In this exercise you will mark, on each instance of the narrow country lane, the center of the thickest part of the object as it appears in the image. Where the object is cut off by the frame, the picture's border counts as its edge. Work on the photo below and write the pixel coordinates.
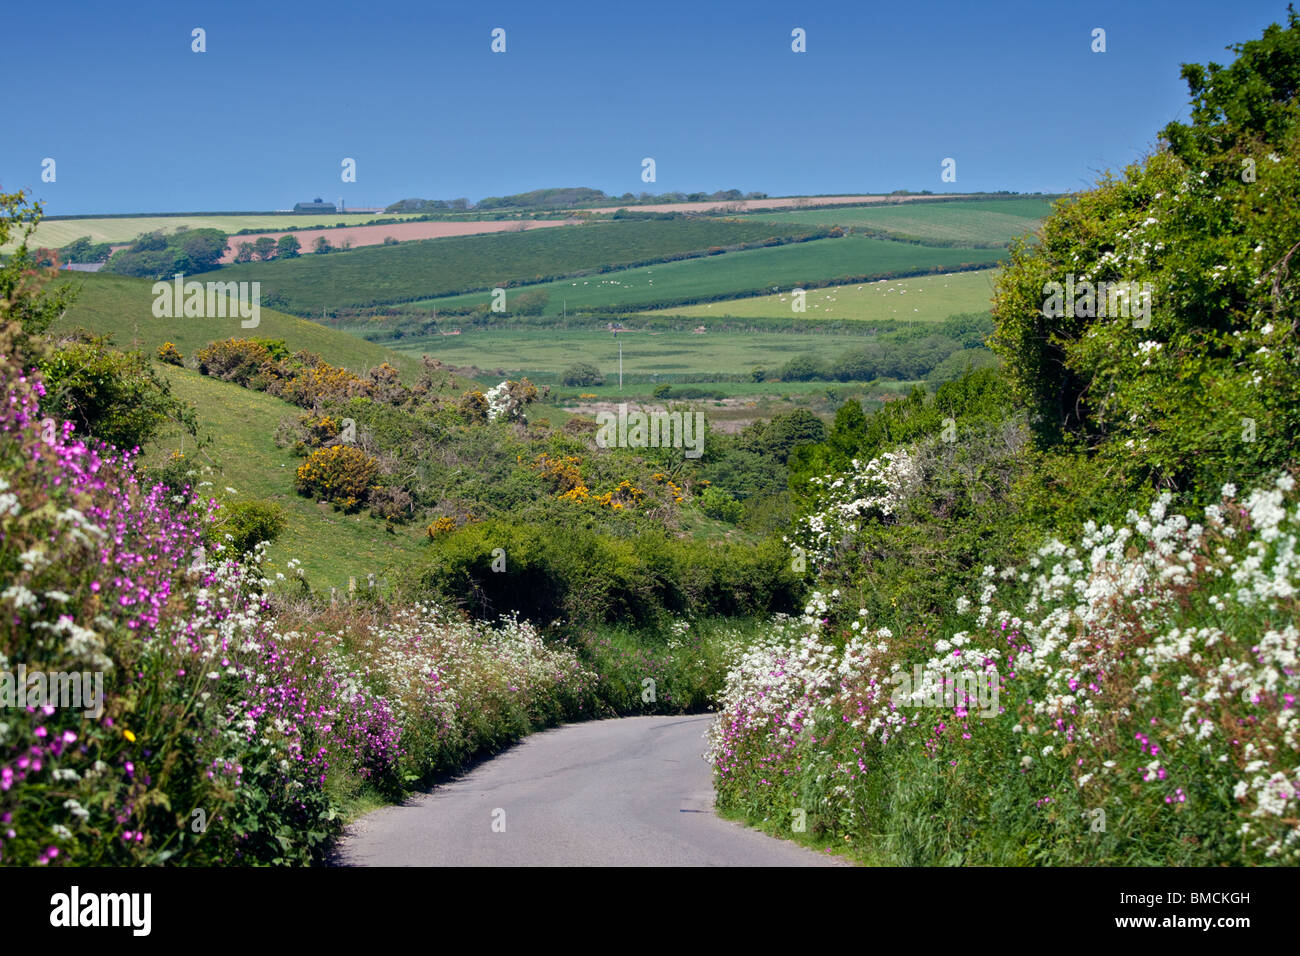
(629, 792)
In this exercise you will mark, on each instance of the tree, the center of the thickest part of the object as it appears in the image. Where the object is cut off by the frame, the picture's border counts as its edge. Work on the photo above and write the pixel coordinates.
(288, 247)
(582, 373)
(22, 298)
(321, 245)
(264, 247)
(197, 250)
(1191, 378)
(244, 252)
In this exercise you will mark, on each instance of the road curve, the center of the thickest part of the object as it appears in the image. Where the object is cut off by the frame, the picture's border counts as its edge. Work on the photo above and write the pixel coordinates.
(630, 792)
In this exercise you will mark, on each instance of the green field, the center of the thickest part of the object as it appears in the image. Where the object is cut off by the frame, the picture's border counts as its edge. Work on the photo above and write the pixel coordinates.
(332, 546)
(59, 232)
(919, 299)
(648, 356)
(379, 275)
(736, 273)
(975, 222)
(123, 307)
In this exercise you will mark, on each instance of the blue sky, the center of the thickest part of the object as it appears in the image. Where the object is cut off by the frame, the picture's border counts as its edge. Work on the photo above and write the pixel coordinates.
(137, 122)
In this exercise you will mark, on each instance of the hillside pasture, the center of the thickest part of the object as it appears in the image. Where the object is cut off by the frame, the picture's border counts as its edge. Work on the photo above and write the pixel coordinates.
(123, 307)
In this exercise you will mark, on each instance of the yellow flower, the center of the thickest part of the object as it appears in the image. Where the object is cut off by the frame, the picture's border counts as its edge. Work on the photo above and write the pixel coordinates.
(128, 735)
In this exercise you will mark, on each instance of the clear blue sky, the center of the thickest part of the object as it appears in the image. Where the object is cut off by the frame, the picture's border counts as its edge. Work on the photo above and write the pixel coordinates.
(136, 122)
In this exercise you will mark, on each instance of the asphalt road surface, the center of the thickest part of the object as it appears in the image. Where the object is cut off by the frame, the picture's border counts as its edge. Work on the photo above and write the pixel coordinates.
(629, 792)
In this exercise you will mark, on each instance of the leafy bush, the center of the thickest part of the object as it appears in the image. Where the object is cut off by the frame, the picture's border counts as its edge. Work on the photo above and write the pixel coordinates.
(1203, 385)
(719, 504)
(546, 573)
(248, 523)
(582, 374)
(115, 397)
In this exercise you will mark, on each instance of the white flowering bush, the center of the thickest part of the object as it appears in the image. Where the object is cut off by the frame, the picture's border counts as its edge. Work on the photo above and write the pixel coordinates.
(1147, 673)
(869, 490)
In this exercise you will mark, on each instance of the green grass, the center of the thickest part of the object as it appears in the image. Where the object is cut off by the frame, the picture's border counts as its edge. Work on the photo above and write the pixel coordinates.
(735, 273)
(57, 233)
(976, 222)
(332, 546)
(123, 306)
(671, 356)
(919, 299)
(378, 275)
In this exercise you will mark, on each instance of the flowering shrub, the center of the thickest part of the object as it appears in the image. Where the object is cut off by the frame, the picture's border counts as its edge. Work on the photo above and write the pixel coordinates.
(341, 474)
(1149, 673)
(869, 490)
(507, 400)
(169, 354)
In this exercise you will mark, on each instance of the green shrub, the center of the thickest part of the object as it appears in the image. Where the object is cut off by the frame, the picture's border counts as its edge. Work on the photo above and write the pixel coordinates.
(249, 523)
(582, 374)
(719, 504)
(115, 397)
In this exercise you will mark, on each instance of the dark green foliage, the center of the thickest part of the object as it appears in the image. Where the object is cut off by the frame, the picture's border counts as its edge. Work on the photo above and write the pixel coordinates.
(582, 374)
(1207, 388)
(155, 256)
(114, 397)
(248, 523)
(578, 575)
(84, 250)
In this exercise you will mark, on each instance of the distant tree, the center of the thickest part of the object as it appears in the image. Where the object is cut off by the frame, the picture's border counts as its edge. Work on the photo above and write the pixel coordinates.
(321, 245)
(244, 252)
(264, 247)
(83, 250)
(198, 250)
(288, 247)
(582, 373)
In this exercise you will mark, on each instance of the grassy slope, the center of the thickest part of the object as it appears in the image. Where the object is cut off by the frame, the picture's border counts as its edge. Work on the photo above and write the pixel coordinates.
(991, 220)
(739, 272)
(59, 232)
(331, 545)
(920, 299)
(123, 306)
(433, 267)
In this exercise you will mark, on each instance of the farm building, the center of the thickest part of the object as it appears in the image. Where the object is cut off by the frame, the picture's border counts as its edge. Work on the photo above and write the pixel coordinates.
(316, 205)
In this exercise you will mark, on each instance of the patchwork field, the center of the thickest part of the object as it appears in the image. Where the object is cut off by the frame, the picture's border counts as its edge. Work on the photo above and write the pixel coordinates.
(919, 299)
(776, 268)
(59, 232)
(976, 222)
(402, 273)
